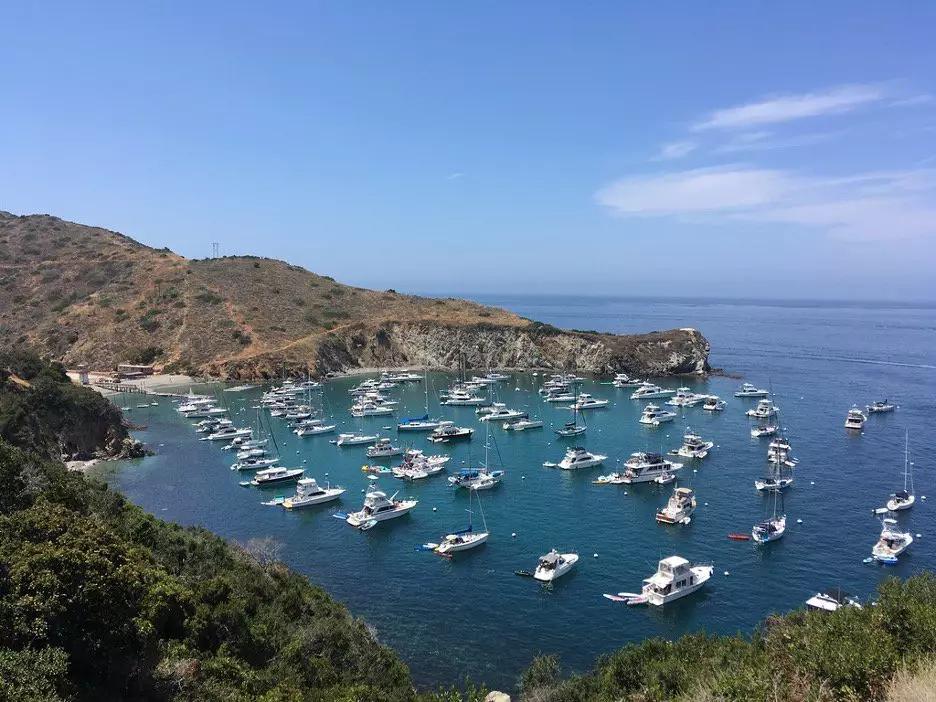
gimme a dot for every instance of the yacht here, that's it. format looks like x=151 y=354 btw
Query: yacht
x=275 y=476
x=679 y=508
x=254 y=463
x=748 y=390
x=226 y=433
x=778 y=452
x=463 y=398
x=523 y=424
x=384 y=448
x=647 y=467
x=500 y=414
x=650 y=391
x=312 y=430
x=765 y=409
x=465 y=539
x=242 y=443
x=370 y=409
x=713 y=403
x=694 y=446
x=585 y=401
x=577 y=457
x=655 y=416
x=831 y=600
x=450 y=434
x=684 y=397
x=623 y=380
x=905 y=498
x=675 y=578
x=250 y=453
x=559 y=396
x=554 y=565
x=855 y=419
x=609 y=479
x=773 y=528
x=773 y=483
x=378 y=508
x=880 y=407
x=891 y=543
x=763 y=430
x=206 y=411
x=356 y=439
x=308 y=492
x=422 y=424
x=487 y=480
x=401 y=377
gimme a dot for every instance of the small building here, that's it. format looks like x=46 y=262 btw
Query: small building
x=133 y=370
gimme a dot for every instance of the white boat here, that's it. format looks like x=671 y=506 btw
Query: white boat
x=309 y=492
x=559 y=396
x=573 y=428
x=778 y=452
x=242 y=443
x=748 y=390
x=462 y=398
x=465 y=539
x=275 y=476
x=905 y=498
x=679 y=507
x=384 y=448
x=585 y=401
x=655 y=416
x=880 y=407
x=773 y=528
x=891 y=543
x=694 y=446
x=315 y=429
x=855 y=419
x=713 y=403
x=762 y=430
x=356 y=439
x=250 y=453
x=647 y=467
x=664 y=478
x=378 y=507
x=523 y=424
x=449 y=434
x=423 y=423
x=831 y=600
x=370 y=409
x=226 y=433
x=684 y=397
x=765 y=409
x=675 y=578
x=500 y=414
x=609 y=479
x=650 y=391
x=554 y=565
x=254 y=463
x=577 y=457
x=623 y=380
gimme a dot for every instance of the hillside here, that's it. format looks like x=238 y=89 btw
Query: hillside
x=85 y=294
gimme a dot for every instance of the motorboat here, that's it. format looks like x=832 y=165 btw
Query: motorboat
x=462 y=398
x=762 y=430
x=225 y=433
x=315 y=429
x=623 y=380
x=499 y=414
x=748 y=390
x=655 y=416
x=713 y=403
x=423 y=423
x=554 y=565
x=384 y=448
x=831 y=600
x=275 y=476
x=450 y=434
x=309 y=492
x=577 y=457
x=585 y=401
x=370 y=409
x=880 y=407
x=523 y=424
x=684 y=397
x=401 y=377
x=255 y=463
x=647 y=467
x=664 y=478
x=609 y=479
x=650 y=391
x=242 y=443
x=559 y=396
x=855 y=419
x=765 y=409
x=904 y=499
x=378 y=508
x=694 y=446
x=891 y=543
x=774 y=527
x=772 y=483
x=675 y=578
x=679 y=507
x=778 y=453
x=250 y=453
x=356 y=439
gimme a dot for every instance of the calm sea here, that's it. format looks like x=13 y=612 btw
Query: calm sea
x=473 y=617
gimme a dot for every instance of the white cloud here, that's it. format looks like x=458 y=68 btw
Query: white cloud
x=675 y=149
x=454 y=176
x=765 y=144
x=923 y=99
x=865 y=206
x=785 y=108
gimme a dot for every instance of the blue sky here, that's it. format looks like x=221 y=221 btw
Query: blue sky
x=757 y=149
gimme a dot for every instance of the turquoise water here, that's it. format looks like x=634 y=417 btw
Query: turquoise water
x=473 y=616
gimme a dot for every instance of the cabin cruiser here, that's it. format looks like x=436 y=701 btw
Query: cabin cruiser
x=694 y=446
x=370 y=409
x=650 y=391
x=490 y=378
x=401 y=377
x=623 y=380
x=463 y=398
x=559 y=396
x=422 y=424
x=356 y=439
x=378 y=508
x=763 y=430
x=479 y=479
x=313 y=429
x=679 y=508
x=609 y=479
x=891 y=543
x=384 y=448
x=207 y=411
x=831 y=600
x=855 y=419
x=675 y=578
x=243 y=443
x=713 y=403
x=773 y=483
x=646 y=467
x=499 y=414
x=212 y=426
x=748 y=390
x=654 y=416
x=765 y=409
x=577 y=457
x=523 y=424
x=585 y=401
x=554 y=565
x=254 y=463
x=684 y=397
x=275 y=476
x=227 y=433
x=308 y=492
x=450 y=434
x=880 y=407
x=250 y=453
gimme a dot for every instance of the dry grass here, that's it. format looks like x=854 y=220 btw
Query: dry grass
x=913 y=687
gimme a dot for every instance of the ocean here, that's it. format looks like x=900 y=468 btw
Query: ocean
x=472 y=616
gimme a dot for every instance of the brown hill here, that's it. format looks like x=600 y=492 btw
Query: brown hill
x=85 y=294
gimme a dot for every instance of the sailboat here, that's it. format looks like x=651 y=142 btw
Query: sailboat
x=482 y=478
x=905 y=498
x=573 y=428
x=357 y=438
x=773 y=528
x=423 y=423
x=466 y=538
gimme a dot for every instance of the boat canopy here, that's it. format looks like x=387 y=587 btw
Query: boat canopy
x=424 y=418
x=550 y=559
x=902 y=495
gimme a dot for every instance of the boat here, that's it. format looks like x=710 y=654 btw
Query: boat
x=250 y=453
x=855 y=419
x=356 y=439
x=905 y=498
x=748 y=390
x=573 y=428
x=275 y=476
x=762 y=430
x=384 y=448
x=465 y=539
x=693 y=446
x=309 y=492
x=315 y=429
x=831 y=600
x=502 y=413
x=655 y=416
x=773 y=528
x=242 y=443
x=649 y=391
x=664 y=478
x=225 y=433
x=577 y=457
x=880 y=407
x=523 y=424
x=554 y=565
x=713 y=403
x=675 y=578
x=684 y=397
x=559 y=395
x=482 y=478
x=450 y=434
x=623 y=380
x=765 y=409
x=254 y=463
x=647 y=467
x=892 y=542
x=370 y=409
x=423 y=423
x=774 y=481
x=585 y=402
x=609 y=479
x=463 y=398
x=679 y=507
x=378 y=507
